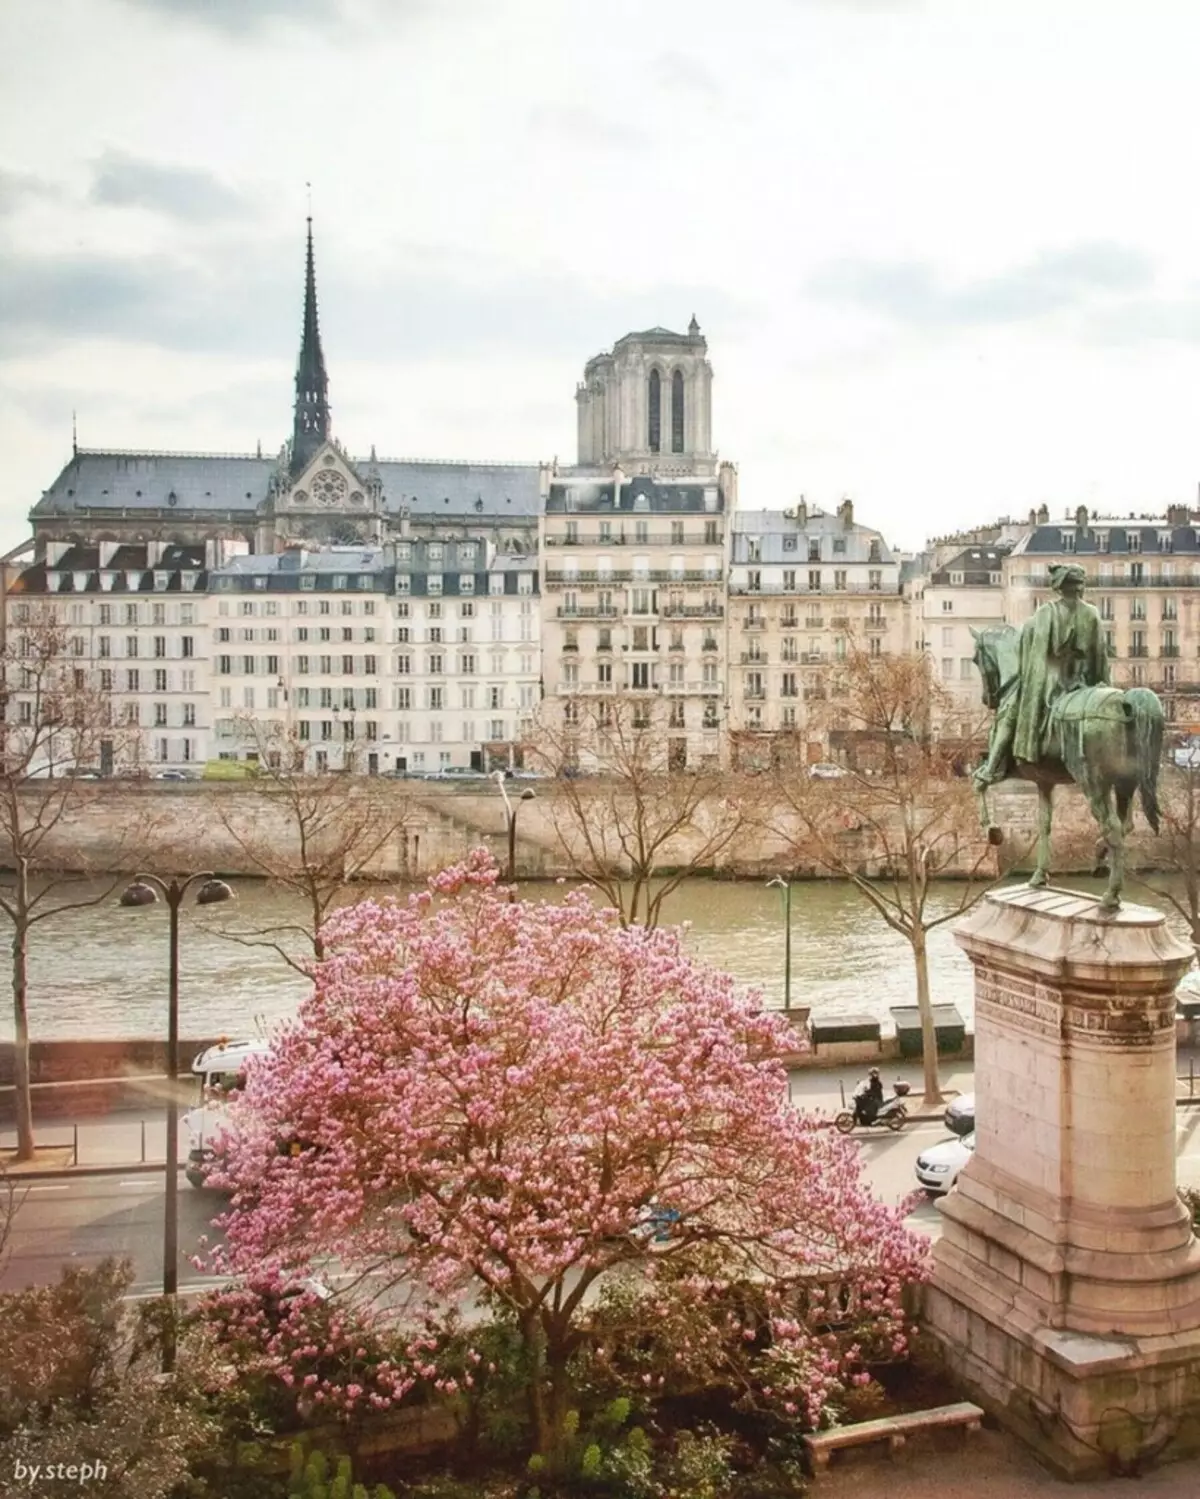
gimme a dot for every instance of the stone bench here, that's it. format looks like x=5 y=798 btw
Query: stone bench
x=895 y=1430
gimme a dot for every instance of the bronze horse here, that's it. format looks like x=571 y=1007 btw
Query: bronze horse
x=1106 y=740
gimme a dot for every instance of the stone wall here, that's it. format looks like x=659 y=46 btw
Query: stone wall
x=165 y=825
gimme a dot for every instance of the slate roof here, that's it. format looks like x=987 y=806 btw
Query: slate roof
x=774 y=527
x=125 y=561
x=591 y=496
x=203 y=482
x=1047 y=539
x=978 y=565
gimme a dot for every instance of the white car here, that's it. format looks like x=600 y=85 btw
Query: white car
x=938 y=1167
x=824 y=771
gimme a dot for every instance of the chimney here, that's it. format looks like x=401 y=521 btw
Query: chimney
x=1033 y=517
x=846 y=513
x=1177 y=515
x=1081 y=518
x=1043 y=515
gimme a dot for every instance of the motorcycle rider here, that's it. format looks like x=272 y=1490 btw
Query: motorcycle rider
x=868 y=1098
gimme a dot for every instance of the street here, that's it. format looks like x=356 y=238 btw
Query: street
x=80 y=1220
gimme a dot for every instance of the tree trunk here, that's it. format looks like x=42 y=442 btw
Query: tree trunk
x=20 y=955
x=929 y=1055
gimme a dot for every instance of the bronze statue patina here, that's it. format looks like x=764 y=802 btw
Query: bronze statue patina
x=1059 y=721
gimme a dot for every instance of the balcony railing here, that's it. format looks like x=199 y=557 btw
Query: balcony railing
x=589 y=611
x=1138 y=652
x=876 y=624
x=1102 y=584
x=692 y=611
x=750 y=657
x=1169 y=650
x=752 y=622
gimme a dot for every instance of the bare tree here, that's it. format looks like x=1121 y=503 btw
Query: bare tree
x=12 y=1200
x=309 y=833
x=632 y=826
x=1178 y=845
x=901 y=814
x=55 y=723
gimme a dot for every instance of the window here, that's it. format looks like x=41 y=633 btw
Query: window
x=104 y=643
x=677 y=412
x=437 y=698
x=131 y=614
x=875 y=580
x=947 y=606
x=131 y=645
x=187 y=645
x=814 y=581
x=654 y=411
x=839 y=580
x=160 y=645
x=106 y=614
x=106 y=681
x=248 y=666
x=225 y=665
x=434 y=583
x=131 y=682
x=347 y=666
x=640 y=676
x=604 y=673
x=302 y=665
x=497 y=727
x=787 y=686
x=495 y=697
x=434 y=665
x=225 y=697
x=160 y=681
x=189 y=715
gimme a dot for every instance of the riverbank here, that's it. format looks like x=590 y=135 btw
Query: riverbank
x=226 y=827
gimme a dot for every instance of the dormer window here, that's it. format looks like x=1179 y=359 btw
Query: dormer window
x=1135 y=540
x=994 y=579
x=1068 y=540
x=1101 y=541
x=188 y=582
x=340 y=580
x=641 y=502
x=956 y=580
x=161 y=580
x=435 y=551
x=53 y=580
x=1166 y=542
x=789 y=543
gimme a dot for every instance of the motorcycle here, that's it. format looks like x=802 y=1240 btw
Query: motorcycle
x=890 y=1114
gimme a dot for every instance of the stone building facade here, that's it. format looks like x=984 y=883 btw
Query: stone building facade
x=804 y=588
x=633 y=548
x=1144 y=577
x=965 y=593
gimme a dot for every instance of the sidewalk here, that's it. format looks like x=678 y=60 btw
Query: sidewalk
x=992 y=1465
x=113 y=1142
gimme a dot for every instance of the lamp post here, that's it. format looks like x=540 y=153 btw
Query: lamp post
x=510 y=815
x=779 y=883
x=146 y=891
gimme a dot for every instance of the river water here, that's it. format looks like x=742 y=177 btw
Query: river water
x=101 y=972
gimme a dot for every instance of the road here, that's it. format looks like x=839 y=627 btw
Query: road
x=79 y=1221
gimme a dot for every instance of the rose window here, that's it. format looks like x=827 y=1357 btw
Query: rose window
x=328 y=488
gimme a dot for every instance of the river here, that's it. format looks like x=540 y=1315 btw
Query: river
x=101 y=972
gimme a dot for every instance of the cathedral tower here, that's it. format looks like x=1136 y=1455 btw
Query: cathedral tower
x=310 y=425
x=647 y=405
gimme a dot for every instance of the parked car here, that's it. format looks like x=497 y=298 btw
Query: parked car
x=938 y=1167
x=1187 y=756
x=172 y=775
x=824 y=771
x=959 y=1117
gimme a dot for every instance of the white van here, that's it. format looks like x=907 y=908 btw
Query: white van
x=221 y=1071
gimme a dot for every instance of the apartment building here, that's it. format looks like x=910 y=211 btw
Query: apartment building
x=420 y=655
x=965 y=593
x=134 y=619
x=633 y=549
x=1144 y=577
x=804 y=586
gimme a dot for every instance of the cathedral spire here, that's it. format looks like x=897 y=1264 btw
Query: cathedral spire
x=310 y=426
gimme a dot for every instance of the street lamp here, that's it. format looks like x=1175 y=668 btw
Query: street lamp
x=145 y=891
x=779 y=883
x=510 y=815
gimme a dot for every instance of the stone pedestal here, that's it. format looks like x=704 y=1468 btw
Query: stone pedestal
x=1066 y=1287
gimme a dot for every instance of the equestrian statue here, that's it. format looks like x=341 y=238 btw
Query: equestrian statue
x=1059 y=720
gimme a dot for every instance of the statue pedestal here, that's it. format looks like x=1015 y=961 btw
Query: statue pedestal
x=1066 y=1284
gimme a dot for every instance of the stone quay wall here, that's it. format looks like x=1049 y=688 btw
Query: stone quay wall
x=165 y=825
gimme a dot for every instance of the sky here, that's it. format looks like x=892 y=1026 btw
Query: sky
x=944 y=251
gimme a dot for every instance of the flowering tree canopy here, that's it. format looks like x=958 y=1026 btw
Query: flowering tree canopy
x=488 y=1097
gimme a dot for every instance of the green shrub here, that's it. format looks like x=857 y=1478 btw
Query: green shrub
x=700 y=1467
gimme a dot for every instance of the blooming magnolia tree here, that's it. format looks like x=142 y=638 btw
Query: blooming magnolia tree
x=487 y=1099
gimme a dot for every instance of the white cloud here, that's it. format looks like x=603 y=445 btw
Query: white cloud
x=944 y=254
